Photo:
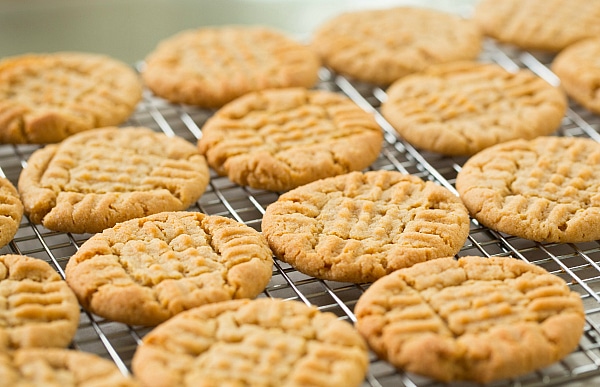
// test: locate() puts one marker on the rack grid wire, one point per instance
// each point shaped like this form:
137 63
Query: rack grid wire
578 264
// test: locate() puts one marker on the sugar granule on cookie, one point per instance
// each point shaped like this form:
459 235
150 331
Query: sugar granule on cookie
262 342
546 189
461 108
359 227
382 45
37 308
280 139
472 319
211 66
97 178
146 270
11 211
44 98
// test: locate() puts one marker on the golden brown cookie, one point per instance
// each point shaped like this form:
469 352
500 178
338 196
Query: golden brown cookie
146 270
478 319
461 108
578 68
11 211
262 342
383 45
549 25
282 138
45 98
37 308
97 178
211 66
546 189
59 368
359 227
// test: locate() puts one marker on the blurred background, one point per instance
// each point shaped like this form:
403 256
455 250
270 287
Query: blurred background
130 29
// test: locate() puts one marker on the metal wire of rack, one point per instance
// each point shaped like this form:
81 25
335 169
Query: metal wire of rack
578 264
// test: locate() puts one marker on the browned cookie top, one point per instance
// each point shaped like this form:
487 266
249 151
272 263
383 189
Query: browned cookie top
211 66
45 98
476 318
11 211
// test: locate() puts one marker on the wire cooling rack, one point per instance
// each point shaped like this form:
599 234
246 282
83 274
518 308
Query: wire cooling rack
578 264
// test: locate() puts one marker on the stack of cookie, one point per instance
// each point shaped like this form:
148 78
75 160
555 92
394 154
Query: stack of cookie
200 278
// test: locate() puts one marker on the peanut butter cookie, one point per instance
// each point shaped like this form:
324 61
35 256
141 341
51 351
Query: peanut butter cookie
477 319
359 227
11 211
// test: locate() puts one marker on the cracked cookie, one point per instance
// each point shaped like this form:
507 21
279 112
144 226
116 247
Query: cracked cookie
262 342
282 138
359 227
146 270
211 66
463 107
475 318
11 211
382 45
37 308
45 98
97 178
60 367
546 189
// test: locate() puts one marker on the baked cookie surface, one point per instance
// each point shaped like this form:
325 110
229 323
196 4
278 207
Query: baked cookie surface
380 46
280 139
546 189
11 211
211 66
60 367
359 227
538 24
461 108
578 68
146 270
478 319
37 308
262 342
94 179
45 98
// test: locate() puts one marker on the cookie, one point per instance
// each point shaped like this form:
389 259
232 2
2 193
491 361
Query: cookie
211 66
461 108
549 25
578 68
280 139
477 319
60 367
37 308
146 270
545 189
97 178
11 211
262 342
44 98
359 227
382 45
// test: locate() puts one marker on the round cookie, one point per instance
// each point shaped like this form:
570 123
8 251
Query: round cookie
380 46
97 178
37 308
211 66
262 342
146 270
11 211
45 98
546 189
280 139
578 68
477 319
60 367
359 227
461 108
549 25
